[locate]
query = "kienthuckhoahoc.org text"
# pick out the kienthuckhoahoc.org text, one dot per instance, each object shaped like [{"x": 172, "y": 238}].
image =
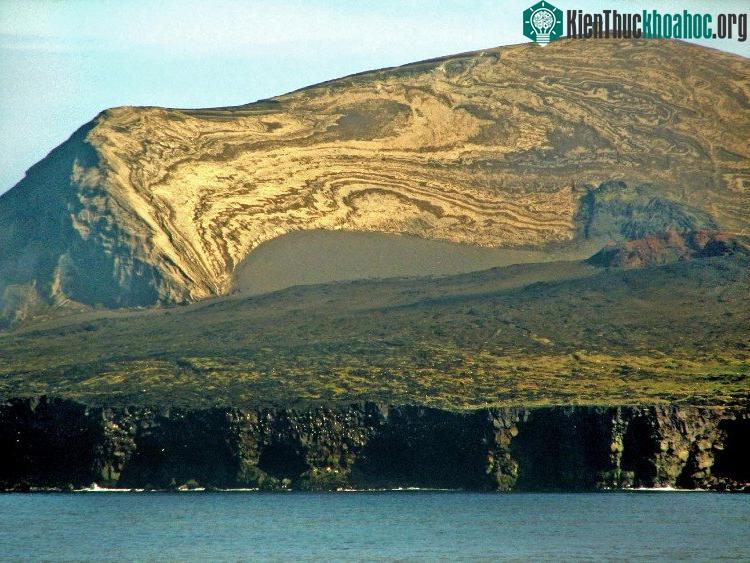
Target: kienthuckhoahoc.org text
[{"x": 652, "y": 24}]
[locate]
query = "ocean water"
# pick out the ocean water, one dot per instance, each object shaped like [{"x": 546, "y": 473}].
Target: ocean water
[{"x": 404, "y": 525}]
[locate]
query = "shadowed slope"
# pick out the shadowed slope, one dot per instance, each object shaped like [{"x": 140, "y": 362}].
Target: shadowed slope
[{"x": 313, "y": 257}]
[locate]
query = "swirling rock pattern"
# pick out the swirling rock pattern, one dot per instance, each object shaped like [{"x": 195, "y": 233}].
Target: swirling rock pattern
[{"x": 488, "y": 148}]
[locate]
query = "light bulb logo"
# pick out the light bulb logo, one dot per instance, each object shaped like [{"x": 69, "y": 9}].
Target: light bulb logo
[{"x": 542, "y": 23}]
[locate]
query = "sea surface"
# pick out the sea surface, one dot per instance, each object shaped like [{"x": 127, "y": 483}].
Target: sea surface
[{"x": 403, "y": 525}]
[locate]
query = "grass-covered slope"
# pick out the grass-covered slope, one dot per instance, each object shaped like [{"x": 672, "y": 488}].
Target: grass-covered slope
[{"x": 555, "y": 333}]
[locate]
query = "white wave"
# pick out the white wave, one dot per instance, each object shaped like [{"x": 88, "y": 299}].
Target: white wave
[
  {"x": 665, "y": 490},
  {"x": 94, "y": 488}
]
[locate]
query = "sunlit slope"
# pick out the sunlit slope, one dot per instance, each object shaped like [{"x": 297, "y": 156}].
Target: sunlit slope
[{"x": 517, "y": 147}]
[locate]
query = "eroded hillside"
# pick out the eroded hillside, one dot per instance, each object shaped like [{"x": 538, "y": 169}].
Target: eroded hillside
[{"x": 518, "y": 147}]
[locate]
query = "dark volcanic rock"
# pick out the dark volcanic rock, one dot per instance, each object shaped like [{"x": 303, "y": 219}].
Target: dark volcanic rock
[
  {"x": 619, "y": 211},
  {"x": 672, "y": 246},
  {"x": 56, "y": 443}
]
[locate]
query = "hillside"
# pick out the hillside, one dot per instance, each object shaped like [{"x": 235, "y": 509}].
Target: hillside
[
  {"x": 519, "y": 147},
  {"x": 557, "y": 333}
]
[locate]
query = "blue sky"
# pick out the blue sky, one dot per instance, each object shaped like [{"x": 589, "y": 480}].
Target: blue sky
[{"x": 61, "y": 62}]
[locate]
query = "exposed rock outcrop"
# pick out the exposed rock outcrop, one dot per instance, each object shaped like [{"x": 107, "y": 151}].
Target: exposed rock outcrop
[
  {"x": 57, "y": 443},
  {"x": 494, "y": 148},
  {"x": 672, "y": 246}
]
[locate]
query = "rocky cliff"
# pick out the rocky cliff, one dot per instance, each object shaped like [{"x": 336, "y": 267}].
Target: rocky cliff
[
  {"x": 57, "y": 443},
  {"x": 510, "y": 147}
]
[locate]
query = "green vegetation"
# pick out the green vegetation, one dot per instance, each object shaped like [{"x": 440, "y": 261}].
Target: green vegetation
[{"x": 563, "y": 333}]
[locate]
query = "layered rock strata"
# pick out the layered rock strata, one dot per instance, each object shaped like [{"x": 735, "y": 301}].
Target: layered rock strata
[{"x": 502, "y": 148}]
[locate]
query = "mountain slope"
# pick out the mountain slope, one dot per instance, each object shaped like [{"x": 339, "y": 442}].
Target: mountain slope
[
  {"x": 517, "y": 147},
  {"x": 556, "y": 333}
]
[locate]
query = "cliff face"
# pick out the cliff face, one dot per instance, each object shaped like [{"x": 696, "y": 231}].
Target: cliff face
[
  {"x": 506, "y": 147},
  {"x": 56, "y": 443}
]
